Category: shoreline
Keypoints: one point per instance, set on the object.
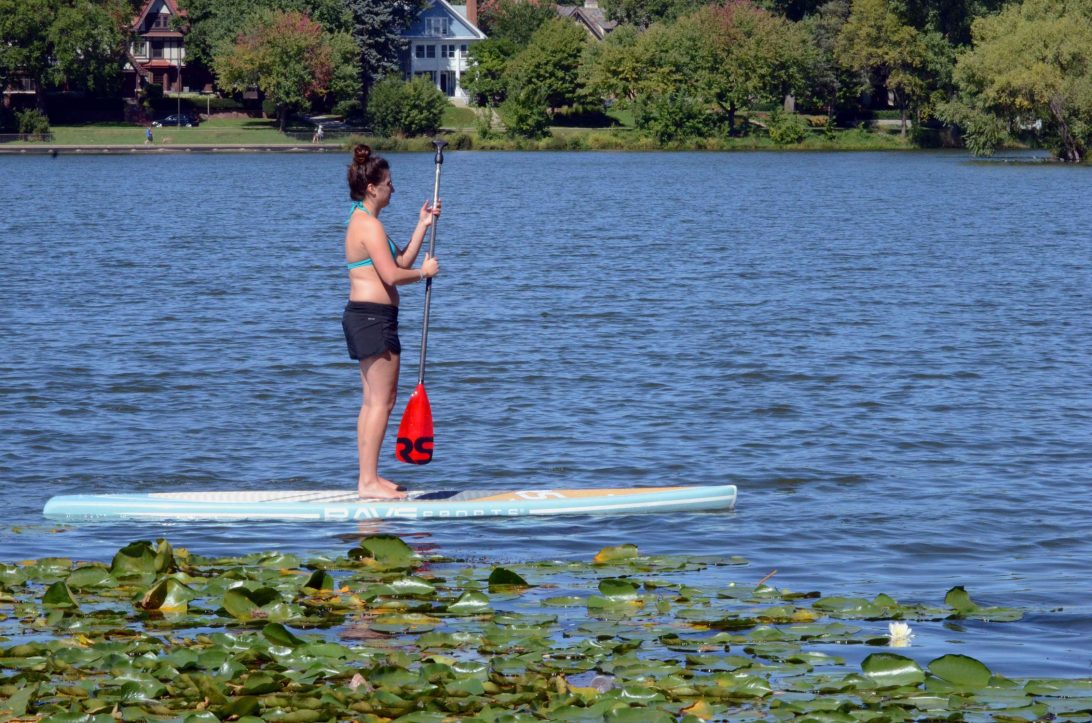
(55, 149)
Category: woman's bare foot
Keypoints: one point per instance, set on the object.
(380, 489)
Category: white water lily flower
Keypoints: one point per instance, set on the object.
(899, 635)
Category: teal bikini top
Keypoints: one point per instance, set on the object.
(367, 262)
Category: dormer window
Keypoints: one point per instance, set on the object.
(161, 21)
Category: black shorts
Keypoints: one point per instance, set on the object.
(370, 329)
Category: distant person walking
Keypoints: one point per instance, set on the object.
(317, 137)
(376, 266)
(148, 136)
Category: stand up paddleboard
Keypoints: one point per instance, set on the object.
(331, 506)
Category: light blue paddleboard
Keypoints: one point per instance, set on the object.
(336, 506)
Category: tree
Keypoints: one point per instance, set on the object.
(549, 66)
(484, 80)
(643, 13)
(614, 67)
(515, 20)
(1031, 63)
(832, 86)
(77, 44)
(377, 28)
(875, 41)
(412, 108)
(760, 57)
(287, 55)
(212, 23)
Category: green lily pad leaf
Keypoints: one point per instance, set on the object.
(618, 588)
(320, 580)
(412, 586)
(59, 596)
(889, 670)
(963, 607)
(961, 670)
(16, 705)
(466, 686)
(238, 707)
(11, 575)
(90, 576)
(564, 601)
(385, 551)
(404, 622)
(167, 596)
(615, 554)
(280, 635)
(503, 578)
(260, 683)
(244, 604)
(136, 558)
(470, 603)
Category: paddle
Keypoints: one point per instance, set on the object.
(415, 433)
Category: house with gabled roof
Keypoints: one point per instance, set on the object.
(591, 17)
(157, 52)
(438, 43)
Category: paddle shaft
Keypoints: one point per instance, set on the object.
(431, 252)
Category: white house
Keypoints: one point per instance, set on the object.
(438, 43)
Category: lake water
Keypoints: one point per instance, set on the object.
(887, 353)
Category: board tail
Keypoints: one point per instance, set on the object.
(415, 433)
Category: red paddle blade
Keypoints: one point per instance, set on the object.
(415, 432)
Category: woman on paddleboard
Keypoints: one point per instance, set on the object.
(376, 266)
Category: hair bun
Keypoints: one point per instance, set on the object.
(361, 154)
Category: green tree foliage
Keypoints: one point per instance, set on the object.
(79, 44)
(643, 13)
(673, 116)
(524, 113)
(875, 42)
(212, 23)
(484, 80)
(760, 57)
(1030, 63)
(514, 20)
(549, 67)
(612, 68)
(377, 28)
(950, 18)
(831, 86)
(287, 55)
(407, 108)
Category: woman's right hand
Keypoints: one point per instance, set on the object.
(430, 266)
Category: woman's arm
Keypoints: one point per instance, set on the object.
(391, 273)
(424, 219)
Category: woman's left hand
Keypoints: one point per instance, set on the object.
(428, 213)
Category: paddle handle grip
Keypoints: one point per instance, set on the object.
(439, 144)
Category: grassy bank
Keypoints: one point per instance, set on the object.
(385, 632)
(461, 135)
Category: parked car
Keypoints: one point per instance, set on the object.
(178, 120)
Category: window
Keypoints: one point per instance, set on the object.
(162, 21)
(462, 49)
(447, 51)
(438, 26)
(419, 51)
(430, 51)
(157, 48)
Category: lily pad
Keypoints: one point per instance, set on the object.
(962, 671)
(889, 670)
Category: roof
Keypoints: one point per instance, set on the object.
(594, 20)
(172, 7)
(462, 29)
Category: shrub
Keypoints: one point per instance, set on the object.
(483, 123)
(461, 142)
(423, 106)
(32, 122)
(524, 114)
(151, 95)
(672, 117)
(786, 128)
(412, 108)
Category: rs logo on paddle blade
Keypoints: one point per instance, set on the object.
(417, 451)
